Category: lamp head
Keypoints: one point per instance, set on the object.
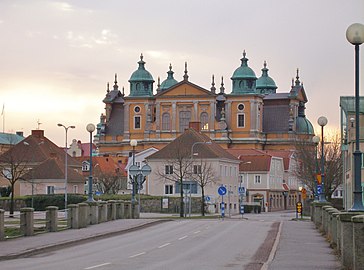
(60, 125)
(322, 121)
(133, 143)
(90, 128)
(315, 139)
(72, 126)
(355, 34)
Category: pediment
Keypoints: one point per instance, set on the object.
(185, 88)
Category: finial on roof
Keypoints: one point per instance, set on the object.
(123, 91)
(297, 78)
(265, 64)
(170, 66)
(292, 82)
(213, 88)
(141, 57)
(185, 77)
(159, 85)
(116, 82)
(244, 54)
(108, 87)
(222, 88)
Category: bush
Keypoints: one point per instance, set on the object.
(40, 202)
(5, 191)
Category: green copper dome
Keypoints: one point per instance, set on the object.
(244, 72)
(141, 81)
(303, 125)
(266, 84)
(170, 81)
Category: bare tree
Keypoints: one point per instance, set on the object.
(110, 182)
(204, 174)
(177, 169)
(13, 165)
(309, 160)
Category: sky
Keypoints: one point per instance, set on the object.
(57, 56)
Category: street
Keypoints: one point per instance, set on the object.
(181, 244)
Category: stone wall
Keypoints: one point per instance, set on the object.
(155, 205)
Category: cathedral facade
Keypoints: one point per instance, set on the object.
(249, 115)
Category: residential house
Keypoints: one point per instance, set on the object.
(190, 153)
(79, 149)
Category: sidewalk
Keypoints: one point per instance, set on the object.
(11, 249)
(301, 247)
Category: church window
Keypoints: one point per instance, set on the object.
(184, 120)
(137, 122)
(250, 84)
(166, 121)
(241, 120)
(137, 86)
(241, 84)
(241, 107)
(204, 119)
(137, 109)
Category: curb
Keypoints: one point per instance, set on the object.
(60, 245)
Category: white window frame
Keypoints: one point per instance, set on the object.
(140, 121)
(166, 121)
(168, 189)
(50, 189)
(237, 120)
(168, 169)
(257, 179)
(197, 169)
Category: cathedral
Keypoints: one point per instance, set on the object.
(247, 113)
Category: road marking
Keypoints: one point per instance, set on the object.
(136, 255)
(183, 237)
(197, 232)
(166, 244)
(95, 266)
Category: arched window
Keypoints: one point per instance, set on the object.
(166, 120)
(204, 119)
(184, 120)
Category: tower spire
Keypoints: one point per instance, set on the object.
(222, 88)
(297, 82)
(185, 77)
(108, 87)
(116, 87)
(213, 88)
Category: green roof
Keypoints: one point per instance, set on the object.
(10, 139)
(170, 81)
(265, 82)
(304, 126)
(141, 74)
(244, 72)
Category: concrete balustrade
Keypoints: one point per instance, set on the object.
(52, 218)
(111, 207)
(346, 240)
(72, 218)
(358, 241)
(83, 215)
(27, 221)
(2, 224)
(120, 209)
(127, 210)
(325, 217)
(94, 213)
(102, 211)
(334, 230)
(330, 211)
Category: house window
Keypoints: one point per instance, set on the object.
(257, 179)
(196, 169)
(184, 120)
(137, 122)
(168, 189)
(75, 189)
(169, 169)
(85, 166)
(187, 186)
(204, 119)
(241, 120)
(166, 121)
(50, 189)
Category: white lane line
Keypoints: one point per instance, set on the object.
(166, 244)
(95, 266)
(197, 232)
(136, 255)
(183, 237)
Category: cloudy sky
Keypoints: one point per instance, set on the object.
(57, 56)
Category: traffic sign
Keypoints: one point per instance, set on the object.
(319, 189)
(222, 190)
(146, 170)
(241, 209)
(241, 190)
(133, 170)
(207, 198)
(299, 207)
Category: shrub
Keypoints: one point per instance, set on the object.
(40, 202)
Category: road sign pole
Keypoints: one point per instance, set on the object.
(222, 207)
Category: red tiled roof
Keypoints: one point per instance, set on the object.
(255, 163)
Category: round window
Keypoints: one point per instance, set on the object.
(241, 107)
(137, 109)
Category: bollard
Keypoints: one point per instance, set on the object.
(333, 240)
(83, 215)
(94, 212)
(112, 208)
(72, 218)
(102, 211)
(127, 210)
(330, 222)
(51, 218)
(325, 218)
(318, 214)
(27, 221)
(346, 240)
(358, 238)
(120, 209)
(2, 224)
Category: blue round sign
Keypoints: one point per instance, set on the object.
(222, 190)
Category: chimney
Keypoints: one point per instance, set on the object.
(195, 125)
(20, 133)
(38, 133)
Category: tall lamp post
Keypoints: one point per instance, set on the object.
(65, 168)
(322, 121)
(316, 140)
(133, 143)
(90, 128)
(355, 35)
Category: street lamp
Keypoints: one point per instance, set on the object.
(192, 153)
(133, 143)
(90, 128)
(355, 35)
(316, 140)
(322, 121)
(65, 169)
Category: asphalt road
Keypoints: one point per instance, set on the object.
(182, 244)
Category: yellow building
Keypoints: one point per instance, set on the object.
(251, 115)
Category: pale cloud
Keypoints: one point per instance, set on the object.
(63, 6)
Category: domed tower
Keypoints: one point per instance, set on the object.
(244, 79)
(265, 84)
(170, 81)
(141, 81)
(303, 125)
